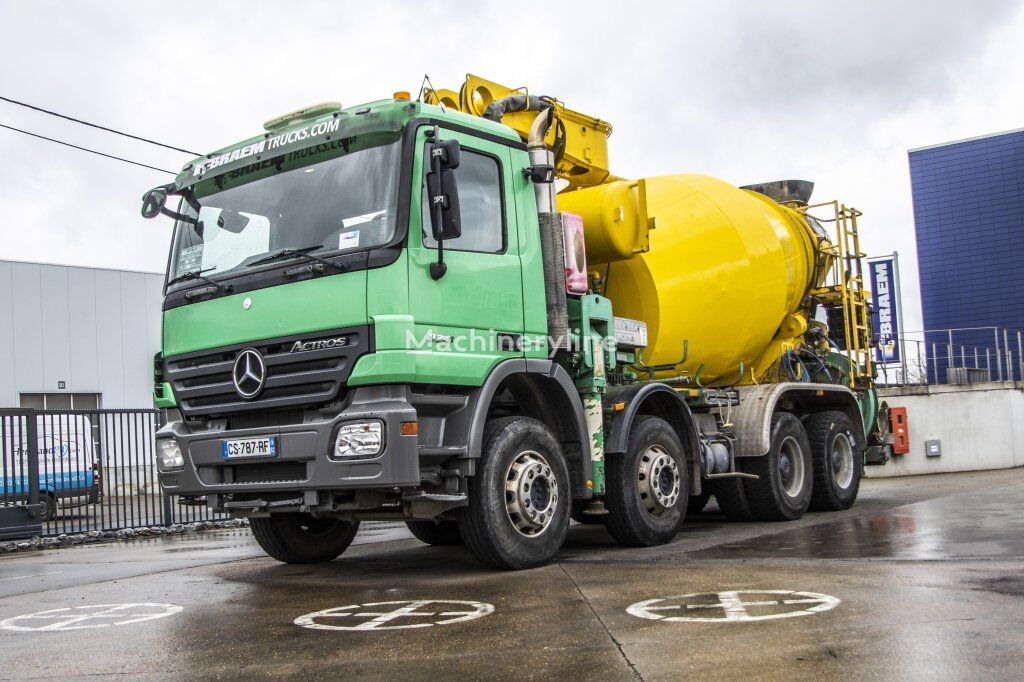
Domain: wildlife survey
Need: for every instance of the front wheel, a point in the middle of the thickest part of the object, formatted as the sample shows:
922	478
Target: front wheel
648	486
300	538
837	461
440	533
518	512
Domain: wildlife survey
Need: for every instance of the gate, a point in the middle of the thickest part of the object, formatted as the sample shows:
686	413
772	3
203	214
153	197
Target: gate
20	510
74	471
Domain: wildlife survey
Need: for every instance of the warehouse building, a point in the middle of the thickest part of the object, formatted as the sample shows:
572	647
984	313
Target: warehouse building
77	338
969	220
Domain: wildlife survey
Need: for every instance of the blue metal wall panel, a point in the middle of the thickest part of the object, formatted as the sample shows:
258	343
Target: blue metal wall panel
969	219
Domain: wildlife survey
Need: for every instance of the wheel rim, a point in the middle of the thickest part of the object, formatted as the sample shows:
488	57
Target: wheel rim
842	460
791	466
659	481
531	493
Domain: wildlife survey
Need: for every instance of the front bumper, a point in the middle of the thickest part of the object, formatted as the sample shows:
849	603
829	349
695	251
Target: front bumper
301	462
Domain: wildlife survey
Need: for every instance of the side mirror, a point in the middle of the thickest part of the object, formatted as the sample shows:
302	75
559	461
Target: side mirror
153	202
443	194
447	152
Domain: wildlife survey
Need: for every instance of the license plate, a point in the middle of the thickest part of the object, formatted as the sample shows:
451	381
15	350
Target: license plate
250	447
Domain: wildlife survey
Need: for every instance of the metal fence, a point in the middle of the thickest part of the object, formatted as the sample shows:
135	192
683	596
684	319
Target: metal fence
965	355
87	469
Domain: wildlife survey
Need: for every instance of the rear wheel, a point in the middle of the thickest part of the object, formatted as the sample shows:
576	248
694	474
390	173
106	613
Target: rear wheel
647	486
299	538
782	490
731	497
518	511
837	461
441	533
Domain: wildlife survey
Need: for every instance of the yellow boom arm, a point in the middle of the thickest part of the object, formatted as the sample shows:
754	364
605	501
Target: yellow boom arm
585	161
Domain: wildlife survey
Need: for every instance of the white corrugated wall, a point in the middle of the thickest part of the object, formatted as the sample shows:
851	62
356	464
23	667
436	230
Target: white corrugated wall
96	330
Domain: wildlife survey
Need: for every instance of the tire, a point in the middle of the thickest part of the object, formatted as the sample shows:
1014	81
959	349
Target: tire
518	511
440	533
732	497
648	486
696	503
578	516
299	538
49	502
783	490
837	461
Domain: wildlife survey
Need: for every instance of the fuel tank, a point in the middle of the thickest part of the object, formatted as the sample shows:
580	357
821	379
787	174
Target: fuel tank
722	270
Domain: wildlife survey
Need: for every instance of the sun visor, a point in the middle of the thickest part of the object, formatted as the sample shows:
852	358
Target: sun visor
331	135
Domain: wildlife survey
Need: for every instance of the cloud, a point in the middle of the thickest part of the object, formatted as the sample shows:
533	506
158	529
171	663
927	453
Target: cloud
835	92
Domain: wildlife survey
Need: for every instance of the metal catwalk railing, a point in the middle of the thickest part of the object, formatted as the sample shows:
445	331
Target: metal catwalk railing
963	355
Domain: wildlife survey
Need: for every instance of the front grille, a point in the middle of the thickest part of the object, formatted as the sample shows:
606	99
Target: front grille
203	383
208	380
273	472
262	472
265	418
325	389
311	365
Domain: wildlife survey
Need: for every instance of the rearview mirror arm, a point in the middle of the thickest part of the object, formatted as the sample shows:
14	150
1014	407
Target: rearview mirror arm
185	193
179	216
438	268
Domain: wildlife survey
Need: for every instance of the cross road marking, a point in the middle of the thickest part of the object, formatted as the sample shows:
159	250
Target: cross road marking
733	607
88	617
441	612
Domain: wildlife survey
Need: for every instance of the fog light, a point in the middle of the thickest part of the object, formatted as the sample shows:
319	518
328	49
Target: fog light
359	439
170	454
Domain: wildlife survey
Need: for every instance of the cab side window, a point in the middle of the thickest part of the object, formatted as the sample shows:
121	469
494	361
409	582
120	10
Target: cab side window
483	218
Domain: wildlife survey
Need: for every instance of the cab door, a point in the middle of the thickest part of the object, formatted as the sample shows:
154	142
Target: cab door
472	317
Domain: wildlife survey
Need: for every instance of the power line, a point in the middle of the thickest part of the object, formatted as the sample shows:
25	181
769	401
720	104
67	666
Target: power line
94	125
86	149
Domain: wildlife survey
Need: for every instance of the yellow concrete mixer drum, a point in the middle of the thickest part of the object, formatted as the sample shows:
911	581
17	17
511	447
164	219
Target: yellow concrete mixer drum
726	272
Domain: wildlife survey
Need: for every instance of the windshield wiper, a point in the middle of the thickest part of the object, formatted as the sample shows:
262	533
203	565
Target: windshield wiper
198	274
285	254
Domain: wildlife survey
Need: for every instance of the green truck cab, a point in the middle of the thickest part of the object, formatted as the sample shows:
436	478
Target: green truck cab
365	317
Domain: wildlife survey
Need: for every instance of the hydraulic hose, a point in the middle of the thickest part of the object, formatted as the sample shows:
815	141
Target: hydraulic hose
513	103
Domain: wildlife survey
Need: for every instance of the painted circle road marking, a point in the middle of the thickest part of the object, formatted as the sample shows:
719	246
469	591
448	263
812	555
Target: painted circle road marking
395	615
88	617
733	606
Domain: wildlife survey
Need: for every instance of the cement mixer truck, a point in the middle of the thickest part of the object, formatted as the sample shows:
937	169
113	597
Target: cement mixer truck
449	311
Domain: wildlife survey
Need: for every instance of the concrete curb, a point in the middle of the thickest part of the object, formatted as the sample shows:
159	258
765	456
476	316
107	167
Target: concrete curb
93	536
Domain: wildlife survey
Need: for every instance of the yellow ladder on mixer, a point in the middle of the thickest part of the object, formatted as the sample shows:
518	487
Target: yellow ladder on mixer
847	285
855	296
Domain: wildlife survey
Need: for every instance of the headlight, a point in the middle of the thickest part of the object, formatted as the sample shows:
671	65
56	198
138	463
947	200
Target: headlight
359	439
170	454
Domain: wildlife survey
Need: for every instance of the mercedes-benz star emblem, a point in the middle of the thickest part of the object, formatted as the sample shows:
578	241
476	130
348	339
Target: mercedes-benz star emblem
249	373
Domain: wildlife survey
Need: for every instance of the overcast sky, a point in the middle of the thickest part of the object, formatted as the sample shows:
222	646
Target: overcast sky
834	92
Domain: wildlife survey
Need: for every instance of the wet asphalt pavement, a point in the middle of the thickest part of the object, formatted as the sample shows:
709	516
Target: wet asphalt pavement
924	578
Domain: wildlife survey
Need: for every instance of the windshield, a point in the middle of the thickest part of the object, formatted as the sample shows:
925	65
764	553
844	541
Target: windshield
334	197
